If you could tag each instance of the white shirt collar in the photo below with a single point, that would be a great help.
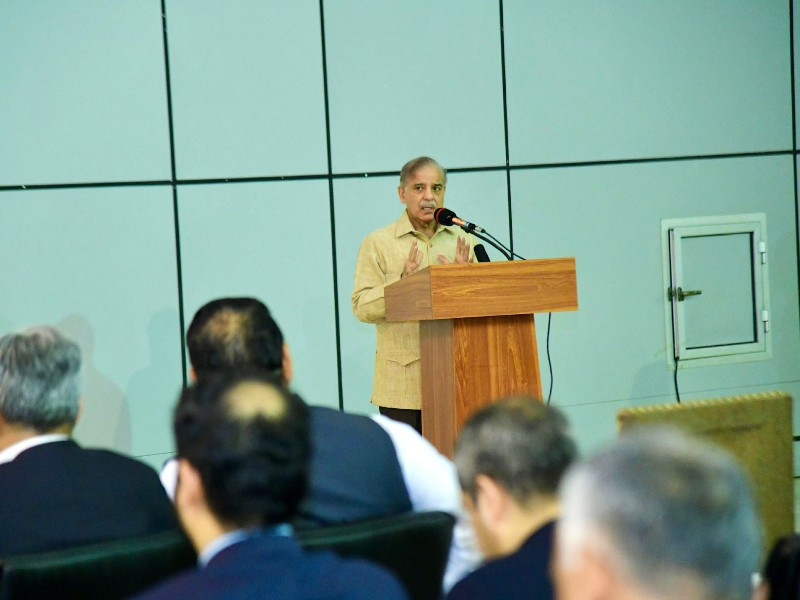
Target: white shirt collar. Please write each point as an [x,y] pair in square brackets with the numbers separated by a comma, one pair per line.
[15,450]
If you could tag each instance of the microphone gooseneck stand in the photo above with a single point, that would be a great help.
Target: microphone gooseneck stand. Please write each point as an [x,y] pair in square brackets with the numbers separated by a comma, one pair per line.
[483,237]
[491,240]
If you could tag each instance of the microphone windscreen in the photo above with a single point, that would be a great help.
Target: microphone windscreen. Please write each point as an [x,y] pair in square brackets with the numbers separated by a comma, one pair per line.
[443,216]
[480,253]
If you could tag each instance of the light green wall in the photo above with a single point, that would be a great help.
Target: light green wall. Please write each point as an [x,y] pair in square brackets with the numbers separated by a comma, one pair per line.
[83,100]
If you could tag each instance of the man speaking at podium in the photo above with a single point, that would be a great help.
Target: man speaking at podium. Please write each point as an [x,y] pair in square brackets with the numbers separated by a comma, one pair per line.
[413,242]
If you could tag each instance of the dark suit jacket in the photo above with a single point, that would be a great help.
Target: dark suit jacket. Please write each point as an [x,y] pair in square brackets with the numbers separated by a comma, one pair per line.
[355,473]
[274,567]
[58,495]
[524,574]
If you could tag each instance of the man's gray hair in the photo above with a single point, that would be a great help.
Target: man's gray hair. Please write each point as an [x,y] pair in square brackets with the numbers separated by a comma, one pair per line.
[518,442]
[415,164]
[668,511]
[39,379]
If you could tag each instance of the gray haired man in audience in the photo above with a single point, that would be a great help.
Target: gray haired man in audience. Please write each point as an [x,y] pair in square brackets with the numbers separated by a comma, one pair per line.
[657,516]
[53,493]
[510,458]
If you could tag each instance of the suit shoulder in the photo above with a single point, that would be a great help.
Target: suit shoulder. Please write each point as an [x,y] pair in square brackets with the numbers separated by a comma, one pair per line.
[359,579]
[183,585]
[119,464]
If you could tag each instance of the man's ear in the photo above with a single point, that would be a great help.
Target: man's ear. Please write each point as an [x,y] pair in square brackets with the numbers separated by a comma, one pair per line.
[286,364]
[192,375]
[401,193]
[491,499]
[189,495]
[583,573]
[599,574]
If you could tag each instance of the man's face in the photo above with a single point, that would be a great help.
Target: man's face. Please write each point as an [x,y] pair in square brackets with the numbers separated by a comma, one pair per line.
[422,194]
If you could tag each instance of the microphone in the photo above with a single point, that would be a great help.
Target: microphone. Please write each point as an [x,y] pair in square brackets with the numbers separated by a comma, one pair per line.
[480,253]
[444,216]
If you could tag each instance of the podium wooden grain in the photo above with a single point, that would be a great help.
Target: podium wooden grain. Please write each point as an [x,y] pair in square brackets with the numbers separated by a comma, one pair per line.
[477,333]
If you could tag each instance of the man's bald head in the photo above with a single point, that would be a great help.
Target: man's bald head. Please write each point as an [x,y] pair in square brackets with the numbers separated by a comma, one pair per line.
[247,436]
[234,333]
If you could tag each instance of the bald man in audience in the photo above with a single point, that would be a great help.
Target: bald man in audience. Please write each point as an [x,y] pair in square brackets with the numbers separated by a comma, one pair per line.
[657,516]
[361,467]
[55,494]
[510,458]
[243,458]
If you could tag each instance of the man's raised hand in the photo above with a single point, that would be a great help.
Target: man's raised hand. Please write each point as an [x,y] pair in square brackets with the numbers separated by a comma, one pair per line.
[413,260]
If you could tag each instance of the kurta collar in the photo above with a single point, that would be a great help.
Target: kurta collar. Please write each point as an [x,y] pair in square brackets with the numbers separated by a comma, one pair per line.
[403,227]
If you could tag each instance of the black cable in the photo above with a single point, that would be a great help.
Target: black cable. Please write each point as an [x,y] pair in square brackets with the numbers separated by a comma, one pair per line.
[504,250]
[677,391]
[512,253]
[549,362]
[497,245]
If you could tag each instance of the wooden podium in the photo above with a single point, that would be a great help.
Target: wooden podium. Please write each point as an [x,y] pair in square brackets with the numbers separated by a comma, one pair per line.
[477,333]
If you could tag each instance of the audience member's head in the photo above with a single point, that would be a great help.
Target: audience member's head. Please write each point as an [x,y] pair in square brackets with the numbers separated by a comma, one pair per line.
[658,515]
[781,577]
[39,382]
[510,458]
[236,333]
[243,449]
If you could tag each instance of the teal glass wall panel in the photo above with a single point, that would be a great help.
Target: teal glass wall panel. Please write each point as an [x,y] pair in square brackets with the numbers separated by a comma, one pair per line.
[82,92]
[100,265]
[610,80]
[481,198]
[247,88]
[361,206]
[365,204]
[271,241]
[613,348]
[796,51]
[411,78]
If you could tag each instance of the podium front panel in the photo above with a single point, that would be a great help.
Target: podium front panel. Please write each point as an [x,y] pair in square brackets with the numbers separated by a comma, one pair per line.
[468,363]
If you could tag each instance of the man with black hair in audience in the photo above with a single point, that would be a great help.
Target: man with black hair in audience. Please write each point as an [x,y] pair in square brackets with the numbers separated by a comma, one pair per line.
[510,458]
[55,494]
[243,456]
[657,516]
[361,467]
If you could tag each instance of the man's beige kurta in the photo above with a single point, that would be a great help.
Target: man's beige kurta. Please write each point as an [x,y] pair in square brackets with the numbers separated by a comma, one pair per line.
[381,261]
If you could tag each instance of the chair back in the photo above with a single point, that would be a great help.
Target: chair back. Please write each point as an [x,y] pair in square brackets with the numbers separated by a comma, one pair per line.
[413,546]
[111,570]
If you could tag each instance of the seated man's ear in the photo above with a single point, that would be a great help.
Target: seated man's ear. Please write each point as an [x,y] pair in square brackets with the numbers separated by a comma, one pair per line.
[189,495]
[491,499]
[286,364]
